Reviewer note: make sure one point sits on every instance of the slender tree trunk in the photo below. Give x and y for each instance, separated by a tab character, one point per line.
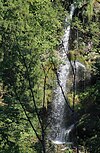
43	142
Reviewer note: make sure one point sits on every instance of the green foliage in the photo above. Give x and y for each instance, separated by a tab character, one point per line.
86	48
89	123
29	34
86	40
69	151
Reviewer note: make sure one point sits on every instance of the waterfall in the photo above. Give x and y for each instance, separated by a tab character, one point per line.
60	127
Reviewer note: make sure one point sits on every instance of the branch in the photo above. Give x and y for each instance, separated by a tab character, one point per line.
28	119
45	79
30	87
66	100
36	109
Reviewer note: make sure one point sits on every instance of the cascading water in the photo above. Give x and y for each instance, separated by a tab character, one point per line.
61	113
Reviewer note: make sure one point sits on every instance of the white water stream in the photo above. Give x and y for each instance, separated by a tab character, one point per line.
59	133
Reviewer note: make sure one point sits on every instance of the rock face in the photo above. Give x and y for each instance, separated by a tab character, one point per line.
82	77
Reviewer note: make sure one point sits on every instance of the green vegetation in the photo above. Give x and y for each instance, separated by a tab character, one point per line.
86	49
30	33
